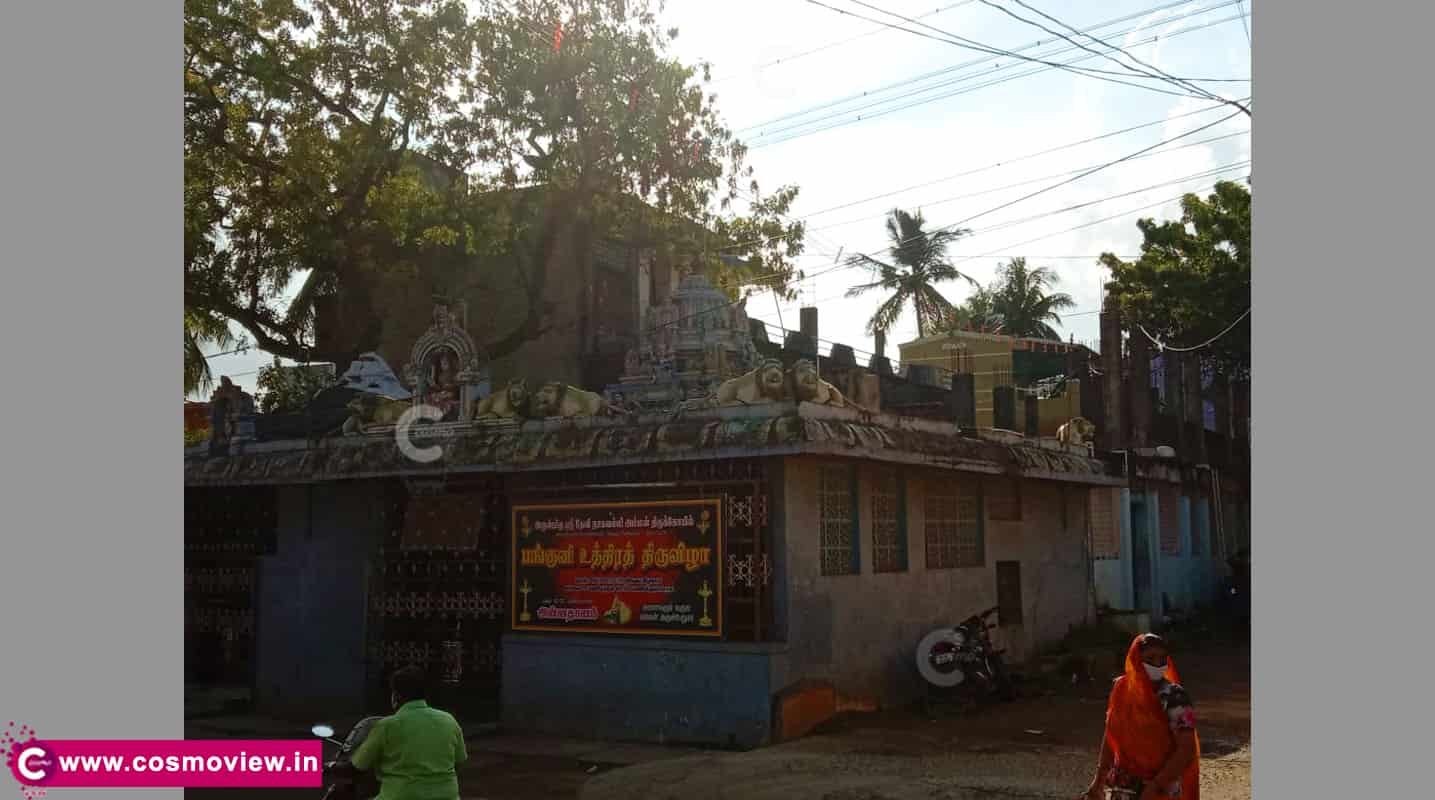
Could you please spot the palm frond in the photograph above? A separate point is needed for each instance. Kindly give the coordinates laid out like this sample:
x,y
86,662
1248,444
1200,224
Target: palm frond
x,y
887,314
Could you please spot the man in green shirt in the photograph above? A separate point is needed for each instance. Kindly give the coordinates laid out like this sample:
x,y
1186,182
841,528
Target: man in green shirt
x,y
415,752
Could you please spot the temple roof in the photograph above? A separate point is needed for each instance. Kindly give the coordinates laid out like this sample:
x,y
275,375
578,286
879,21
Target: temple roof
x,y
774,429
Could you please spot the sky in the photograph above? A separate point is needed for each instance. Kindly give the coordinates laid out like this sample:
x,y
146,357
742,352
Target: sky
x,y
828,102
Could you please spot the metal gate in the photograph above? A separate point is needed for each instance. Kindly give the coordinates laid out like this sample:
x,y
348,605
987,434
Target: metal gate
x,y
439,583
225,530
436,596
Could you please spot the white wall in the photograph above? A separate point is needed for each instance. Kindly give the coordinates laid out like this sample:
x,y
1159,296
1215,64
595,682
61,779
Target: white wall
x,y
861,631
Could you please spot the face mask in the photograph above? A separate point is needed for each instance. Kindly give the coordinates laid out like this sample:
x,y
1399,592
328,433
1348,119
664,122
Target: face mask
x,y
1154,673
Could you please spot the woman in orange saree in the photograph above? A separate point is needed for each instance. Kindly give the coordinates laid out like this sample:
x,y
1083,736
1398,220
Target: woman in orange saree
x,y
1150,750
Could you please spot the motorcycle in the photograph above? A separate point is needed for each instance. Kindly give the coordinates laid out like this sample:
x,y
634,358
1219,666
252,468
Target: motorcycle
x,y
957,659
342,780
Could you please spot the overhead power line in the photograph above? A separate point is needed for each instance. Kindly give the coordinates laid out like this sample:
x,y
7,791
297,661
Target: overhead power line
x,y
1091,171
969,44
1186,82
788,59
1163,347
988,167
1084,225
966,65
836,119
1210,173
929,204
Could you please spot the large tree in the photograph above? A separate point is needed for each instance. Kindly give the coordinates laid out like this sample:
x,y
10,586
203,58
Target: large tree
x,y
332,144
918,263
1191,286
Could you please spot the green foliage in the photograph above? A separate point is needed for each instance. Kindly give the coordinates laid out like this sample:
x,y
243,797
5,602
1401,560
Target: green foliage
x,y
203,329
1193,279
918,263
333,146
287,390
196,436
1017,303
977,313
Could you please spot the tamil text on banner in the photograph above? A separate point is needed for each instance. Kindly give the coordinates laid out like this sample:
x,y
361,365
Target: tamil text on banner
x,y
650,568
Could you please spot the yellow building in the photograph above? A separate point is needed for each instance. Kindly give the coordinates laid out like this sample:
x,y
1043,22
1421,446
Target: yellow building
x,y
996,360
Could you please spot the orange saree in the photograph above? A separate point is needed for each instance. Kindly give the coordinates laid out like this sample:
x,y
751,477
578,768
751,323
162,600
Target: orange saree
x,y
1139,731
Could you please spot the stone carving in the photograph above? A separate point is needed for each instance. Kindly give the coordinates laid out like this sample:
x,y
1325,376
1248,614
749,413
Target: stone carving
x,y
368,411
511,403
557,399
689,344
1077,431
231,415
807,387
766,384
444,365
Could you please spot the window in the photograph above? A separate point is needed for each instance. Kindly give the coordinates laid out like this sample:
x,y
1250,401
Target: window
x,y
954,525
1105,525
1170,505
1008,593
889,522
838,518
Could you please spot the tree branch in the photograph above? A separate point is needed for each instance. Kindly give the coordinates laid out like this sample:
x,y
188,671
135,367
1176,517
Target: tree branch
x,y
269,334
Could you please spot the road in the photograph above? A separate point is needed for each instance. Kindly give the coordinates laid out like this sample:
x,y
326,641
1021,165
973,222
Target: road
x,y
1039,748
1042,747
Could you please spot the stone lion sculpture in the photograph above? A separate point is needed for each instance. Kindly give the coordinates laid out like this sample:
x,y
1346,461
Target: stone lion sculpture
x,y
557,399
1077,431
765,384
511,403
366,411
807,387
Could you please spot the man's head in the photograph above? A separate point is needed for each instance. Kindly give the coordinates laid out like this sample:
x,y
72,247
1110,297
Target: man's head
x,y
407,685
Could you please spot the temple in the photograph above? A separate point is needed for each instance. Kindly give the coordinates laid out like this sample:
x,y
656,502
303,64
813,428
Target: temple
x,y
666,557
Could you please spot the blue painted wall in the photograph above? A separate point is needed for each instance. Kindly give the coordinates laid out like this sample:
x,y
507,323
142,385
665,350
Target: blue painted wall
x,y
1193,577
311,599
1113,576
637,690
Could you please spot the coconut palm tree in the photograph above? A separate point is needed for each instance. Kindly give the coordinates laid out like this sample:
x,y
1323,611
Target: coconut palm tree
x,y
918,263
199,329
978,313
1022,298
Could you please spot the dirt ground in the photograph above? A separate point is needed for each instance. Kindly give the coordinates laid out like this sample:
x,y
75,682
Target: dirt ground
x,y
1043,746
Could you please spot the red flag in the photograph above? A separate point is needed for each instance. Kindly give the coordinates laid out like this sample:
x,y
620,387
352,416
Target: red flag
x,y
558,37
